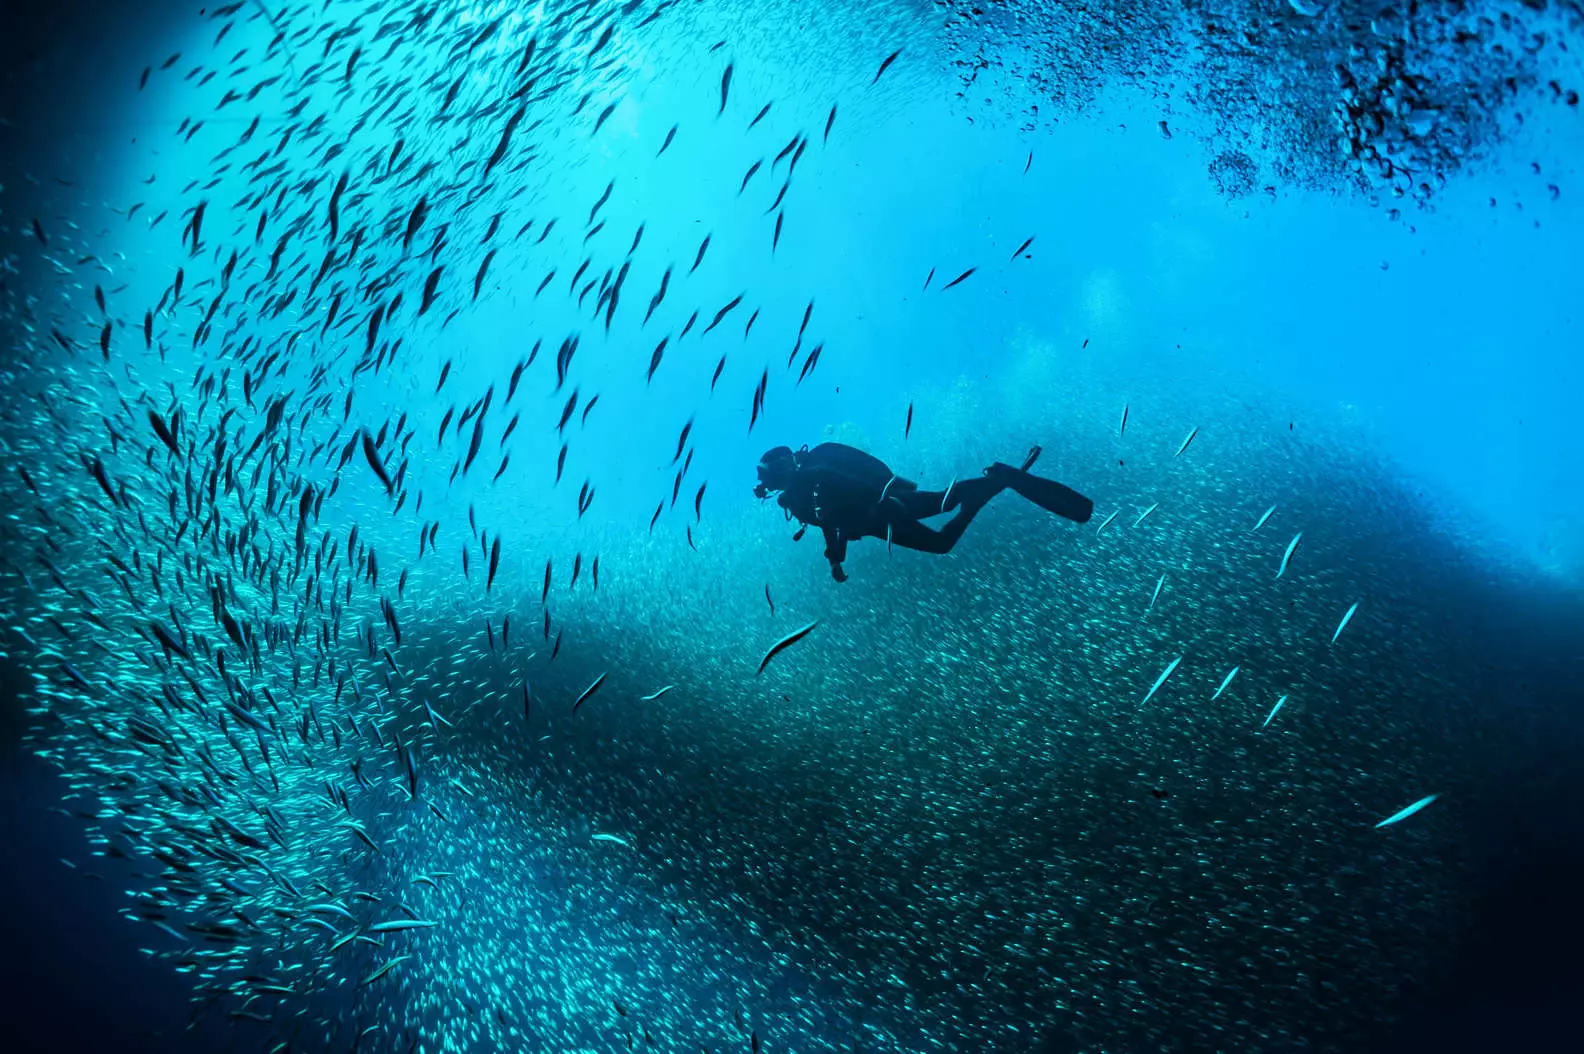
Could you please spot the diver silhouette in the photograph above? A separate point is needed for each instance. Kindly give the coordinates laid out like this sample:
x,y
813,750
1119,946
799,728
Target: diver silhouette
x,y
849,494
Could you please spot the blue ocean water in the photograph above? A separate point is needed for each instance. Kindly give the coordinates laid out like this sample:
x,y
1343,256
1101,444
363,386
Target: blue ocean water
x,y
1286,290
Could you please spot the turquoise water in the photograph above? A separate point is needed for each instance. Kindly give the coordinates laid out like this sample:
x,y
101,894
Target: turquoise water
x,y
1008,798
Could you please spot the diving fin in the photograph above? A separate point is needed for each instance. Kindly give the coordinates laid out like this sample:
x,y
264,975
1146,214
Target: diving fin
x,y
1048,494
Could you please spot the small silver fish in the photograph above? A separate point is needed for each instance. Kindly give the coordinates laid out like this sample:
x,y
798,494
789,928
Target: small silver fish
x,y
1162,678
1287,556
1345,620
384,969
1403,814
398,925
1275,708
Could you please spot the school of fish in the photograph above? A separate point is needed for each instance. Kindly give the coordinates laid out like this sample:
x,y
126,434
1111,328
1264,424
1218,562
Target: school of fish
x,y
392,766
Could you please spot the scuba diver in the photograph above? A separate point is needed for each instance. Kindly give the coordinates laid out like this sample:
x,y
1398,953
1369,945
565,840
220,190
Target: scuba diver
x,y
849,494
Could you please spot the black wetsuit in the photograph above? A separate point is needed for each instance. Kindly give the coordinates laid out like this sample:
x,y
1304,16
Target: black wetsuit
x,y
849,494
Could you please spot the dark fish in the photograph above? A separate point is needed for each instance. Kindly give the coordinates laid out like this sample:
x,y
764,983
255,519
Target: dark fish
x,y
725,89
703,246
164,432
758,404
719,366
544,597
334,212
603,198
654,359
780,196
590,690
561,462
759,116
958,279
682,440
375,463
669,136
785,150
723,312
907,429
476,442
1027,164
769,600
776,240
810,362
505,140
885,66
698,501
169,642
603,117
567,411
430,286
828,122
929,278
784,643
1019,251
478,280
494,564
415,220
750,174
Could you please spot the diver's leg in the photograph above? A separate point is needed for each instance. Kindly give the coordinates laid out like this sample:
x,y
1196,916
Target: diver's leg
x,y
1046,493
967,497
922,504
911,534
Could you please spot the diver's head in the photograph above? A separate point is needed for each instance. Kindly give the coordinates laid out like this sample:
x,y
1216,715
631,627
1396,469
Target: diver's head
x,y
776,469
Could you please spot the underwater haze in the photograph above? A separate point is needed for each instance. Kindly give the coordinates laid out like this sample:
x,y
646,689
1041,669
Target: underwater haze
x,y
397,657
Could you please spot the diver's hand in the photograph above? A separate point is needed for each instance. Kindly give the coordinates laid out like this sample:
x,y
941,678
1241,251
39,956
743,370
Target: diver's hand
x,y
837,573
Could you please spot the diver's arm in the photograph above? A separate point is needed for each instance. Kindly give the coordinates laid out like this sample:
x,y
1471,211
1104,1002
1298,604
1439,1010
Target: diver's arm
x,y
835,552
